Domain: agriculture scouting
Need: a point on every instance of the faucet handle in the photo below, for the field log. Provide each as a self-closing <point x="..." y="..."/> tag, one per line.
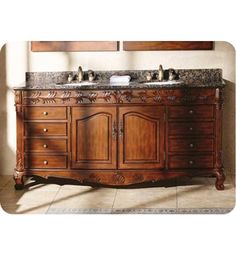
<point x="91" y="75"/>
<point x="70" y="77"/>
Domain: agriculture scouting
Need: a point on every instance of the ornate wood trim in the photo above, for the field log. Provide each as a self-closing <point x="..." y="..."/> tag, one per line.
<point x="19" y="170"/>
<point x="141" y="96"/>
<point x="118" y="177"/>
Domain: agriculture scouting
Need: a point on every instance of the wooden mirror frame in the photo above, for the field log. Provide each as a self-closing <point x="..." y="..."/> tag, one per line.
<point x="167" y="45"/>
<point x="66" y="46"/>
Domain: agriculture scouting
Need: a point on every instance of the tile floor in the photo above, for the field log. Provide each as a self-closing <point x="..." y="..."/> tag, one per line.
<point x="41" y="195"/>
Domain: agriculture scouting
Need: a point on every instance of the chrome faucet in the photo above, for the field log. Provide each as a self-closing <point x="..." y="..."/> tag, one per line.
<point x="80" y="74"/>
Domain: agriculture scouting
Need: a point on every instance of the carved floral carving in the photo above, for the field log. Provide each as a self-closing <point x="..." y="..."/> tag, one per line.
<point x="93" y="178"/>
<point x="66" y="96"/>
<point x="79" y="97"/>
<point x="118" y="178"/>
<point x="120" y="96"/>
<point x="50" y="97"/>
<point x="92" y="96"/>
<point x="107" y="96"/>
<point x="17" y="97"/>
<point x="19" y="161"/>
<point x="138" y="177"/>
<point x="157" y="96"/>
<point x="143" y="96"/>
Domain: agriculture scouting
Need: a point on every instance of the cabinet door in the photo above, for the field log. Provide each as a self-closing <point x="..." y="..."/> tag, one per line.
<point x="94" y="137"/>
<point x="141" y="137"/>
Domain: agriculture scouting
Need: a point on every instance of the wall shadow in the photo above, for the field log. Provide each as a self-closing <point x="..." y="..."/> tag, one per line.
<point x="7" y="156"/>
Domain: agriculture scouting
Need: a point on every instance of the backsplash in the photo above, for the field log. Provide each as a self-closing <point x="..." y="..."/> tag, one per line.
<point x="188" y="76"/>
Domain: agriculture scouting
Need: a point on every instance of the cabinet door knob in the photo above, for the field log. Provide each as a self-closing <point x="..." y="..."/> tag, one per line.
<point x="190" y="162"/>
<point x="45" y="113"/>
<point x="191" y="145"/>
<point x="45" y="130"/>
<point x="190" y="129"/>
<point x="191" y="111"/>
<point x="45" y="162"/>
<point x="45" y="146"/>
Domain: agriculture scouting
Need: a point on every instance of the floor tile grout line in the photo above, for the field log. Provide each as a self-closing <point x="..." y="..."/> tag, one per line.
<point x="53" y="200"/>
<point x="112" y="207"/>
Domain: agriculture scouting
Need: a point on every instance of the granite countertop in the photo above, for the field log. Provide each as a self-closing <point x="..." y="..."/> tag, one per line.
<point x="132" y="85"/>
<point x="187" y="78"/>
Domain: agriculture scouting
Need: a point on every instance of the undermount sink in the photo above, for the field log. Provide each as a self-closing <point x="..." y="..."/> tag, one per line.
<point x="83" y="83"/>
<point x="163" y="82"/>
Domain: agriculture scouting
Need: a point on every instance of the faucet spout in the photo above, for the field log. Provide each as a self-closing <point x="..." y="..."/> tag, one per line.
<point x="80" y="74"/>
<point x="160" y="73"/>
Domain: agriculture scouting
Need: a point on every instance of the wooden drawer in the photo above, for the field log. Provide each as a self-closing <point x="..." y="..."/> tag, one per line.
<point x="45" y="113"/>
<point x="45" y="161"/>
<point x="191" y="161"/>
<point x="45" y="145"/>
<point x="188" y="145"/>
<point x="191" y="112"/>
<point x="191" y="128"/>
<point x="45" y="129"/>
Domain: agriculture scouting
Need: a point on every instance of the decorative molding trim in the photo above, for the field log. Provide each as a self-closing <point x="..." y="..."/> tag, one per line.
<point x="158" y="96"/>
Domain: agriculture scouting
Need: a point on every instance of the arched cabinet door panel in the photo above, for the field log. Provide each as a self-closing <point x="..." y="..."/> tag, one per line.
<point x="141" y="137"/>
<point x="94" y="137"/>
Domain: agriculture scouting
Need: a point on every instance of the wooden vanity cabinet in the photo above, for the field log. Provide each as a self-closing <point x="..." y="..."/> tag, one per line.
<point x="119" y="137"/>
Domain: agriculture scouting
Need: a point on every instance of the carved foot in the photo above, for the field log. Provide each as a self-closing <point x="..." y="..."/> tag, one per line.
<point x="19" y="186"/>
<point x="18" y="177"/>
<point x="220" y="178"/>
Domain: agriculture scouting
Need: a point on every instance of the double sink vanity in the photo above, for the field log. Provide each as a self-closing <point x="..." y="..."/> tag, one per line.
<point x="97" y="133"/>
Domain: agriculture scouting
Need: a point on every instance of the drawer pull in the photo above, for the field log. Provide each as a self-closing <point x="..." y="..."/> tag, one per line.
<point x="191" y="162"/>
<point x="190" y="129"/>
<point x="191" y="145"/>
<point x="45" y="130"/>
<point x="45" y="162"/>
<point x="45" y="113"/>
<point x="191" y="111"/>
<point x="45" y="146"/>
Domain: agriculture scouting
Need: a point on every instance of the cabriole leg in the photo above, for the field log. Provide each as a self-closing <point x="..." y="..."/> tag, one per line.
<point x="220" y="178"/>
<point x="19" y="182"/>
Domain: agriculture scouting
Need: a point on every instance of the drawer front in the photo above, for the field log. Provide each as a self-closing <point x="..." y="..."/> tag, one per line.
<point x="188" y="145"/>
<point x="45" y="161"/>
<point x="45" y="113"/>
<point x="191" y="112"/>
<point x="191" y="128"/>
<point x="191" y="161"/>
<point x="45" y="129"/>
<point x="45" y="145"/>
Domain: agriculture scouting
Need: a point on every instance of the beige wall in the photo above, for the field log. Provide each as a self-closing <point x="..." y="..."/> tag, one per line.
<point x="16" y="58"/>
